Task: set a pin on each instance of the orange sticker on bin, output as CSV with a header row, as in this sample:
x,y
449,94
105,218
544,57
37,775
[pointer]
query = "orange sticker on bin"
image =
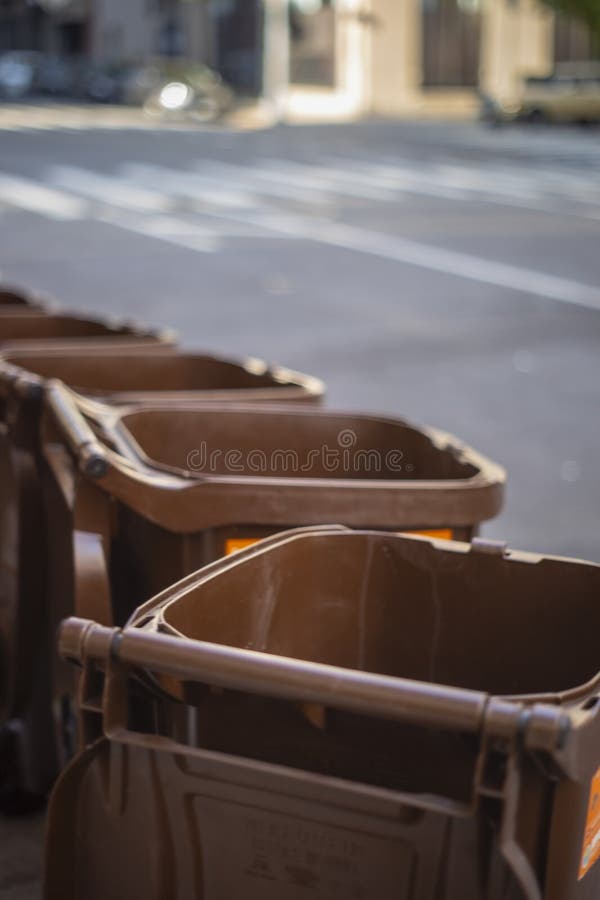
x,y
234,544
445,534
591,837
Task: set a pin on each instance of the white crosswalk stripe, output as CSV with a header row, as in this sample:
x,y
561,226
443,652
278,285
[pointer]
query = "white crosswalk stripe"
x,y
213,183
330,179
260,181
187,233
544,190
23,193
212,202
110,190
203,190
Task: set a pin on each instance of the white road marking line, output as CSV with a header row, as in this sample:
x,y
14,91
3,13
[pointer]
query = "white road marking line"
x,y
490,182
457,178
461,183
169,229
437,259
556,182
405,180
206,236
470,185
321,178
196,236
38,198
133,209
108,189
201,237
248,178
200,188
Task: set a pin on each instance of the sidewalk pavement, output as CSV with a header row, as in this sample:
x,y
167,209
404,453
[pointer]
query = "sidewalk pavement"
x,y
305,107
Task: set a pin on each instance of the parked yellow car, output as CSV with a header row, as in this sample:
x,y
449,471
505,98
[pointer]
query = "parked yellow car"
x,y
570,94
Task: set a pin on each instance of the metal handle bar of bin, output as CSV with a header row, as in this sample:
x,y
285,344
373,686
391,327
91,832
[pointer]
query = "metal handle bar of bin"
x,y
106,458
93,451
80,436
419,703
95,456
15,379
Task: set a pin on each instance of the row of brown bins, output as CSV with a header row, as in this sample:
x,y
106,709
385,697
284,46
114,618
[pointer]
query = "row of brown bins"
x,y
338,712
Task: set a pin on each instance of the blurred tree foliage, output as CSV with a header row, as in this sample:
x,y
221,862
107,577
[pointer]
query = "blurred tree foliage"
x,y
587,11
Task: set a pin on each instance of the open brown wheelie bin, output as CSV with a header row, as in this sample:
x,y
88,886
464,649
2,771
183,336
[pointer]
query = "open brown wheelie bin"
x,y
155,492
25,327
24,299
149,378
151,373
340,714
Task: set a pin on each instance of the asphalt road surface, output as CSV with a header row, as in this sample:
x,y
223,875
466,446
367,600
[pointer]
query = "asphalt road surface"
x,y
442,272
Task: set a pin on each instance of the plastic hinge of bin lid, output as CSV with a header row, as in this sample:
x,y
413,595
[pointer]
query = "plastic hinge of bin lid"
x,y
485,545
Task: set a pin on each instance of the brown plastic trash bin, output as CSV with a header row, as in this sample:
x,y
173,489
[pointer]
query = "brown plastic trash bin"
x,y
21,298
364,716
150,378
21,328
151,373
21,524
154,493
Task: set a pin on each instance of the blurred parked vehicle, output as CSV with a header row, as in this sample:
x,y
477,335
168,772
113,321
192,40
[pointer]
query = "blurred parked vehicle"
x,y
102,84
58,76
17,73
570,94
172,86
162,87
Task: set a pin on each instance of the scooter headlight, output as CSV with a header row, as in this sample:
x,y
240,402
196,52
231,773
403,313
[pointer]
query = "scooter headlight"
x,y
175,95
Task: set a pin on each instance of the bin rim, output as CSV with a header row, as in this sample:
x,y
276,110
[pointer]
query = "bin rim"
x,y
143,645
266,545
290,383
489,472
149,488
126,326
156,609
28,297
442,441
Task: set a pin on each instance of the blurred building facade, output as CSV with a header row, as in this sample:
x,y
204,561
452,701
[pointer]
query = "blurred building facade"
x,y
51,26
391,57
327,58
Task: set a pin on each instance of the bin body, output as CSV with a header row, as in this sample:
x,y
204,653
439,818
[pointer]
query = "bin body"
x,y
344,714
